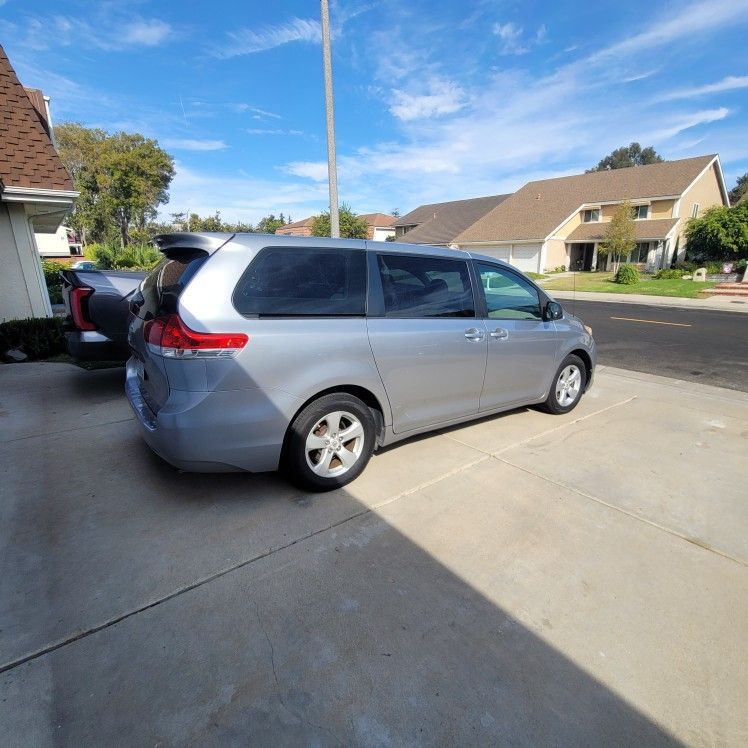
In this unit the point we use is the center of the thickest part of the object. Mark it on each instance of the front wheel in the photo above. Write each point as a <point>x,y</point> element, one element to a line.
<point>329,442</point>
<point>568,386</point>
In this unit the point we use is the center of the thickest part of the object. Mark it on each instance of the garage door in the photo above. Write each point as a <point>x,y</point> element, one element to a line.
<point>526,256</point>
<point>500,253</point>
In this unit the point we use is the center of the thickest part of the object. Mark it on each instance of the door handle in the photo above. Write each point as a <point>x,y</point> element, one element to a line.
<point>499,333</point>
<point>473,333</point>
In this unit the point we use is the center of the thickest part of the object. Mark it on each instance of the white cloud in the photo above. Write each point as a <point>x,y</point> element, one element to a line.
<point>730,83</point>
<point>146,32</point>
<point>441,97</point>
<point>314,170</point>
<point>190,144</point>
<point>679,124</point>
<point>510,35</point>
<point>256,112</point>
<point>271,131</point>
<point>640,76</point>
<point>242,197</point>
<point>516,125</point>
<point>249,41</point>
<point>695,19</point>
<point>512,38</point>
<point>108,31</point>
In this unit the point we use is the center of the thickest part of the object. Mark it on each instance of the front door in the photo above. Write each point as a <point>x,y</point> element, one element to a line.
<point>522,347</point>
<point>429,345</point>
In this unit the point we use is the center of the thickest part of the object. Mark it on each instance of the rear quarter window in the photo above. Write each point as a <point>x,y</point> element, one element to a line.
<point>163,286</point>
<point>303,281</point>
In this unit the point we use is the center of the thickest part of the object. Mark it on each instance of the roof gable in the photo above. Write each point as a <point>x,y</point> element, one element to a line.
<point>536,210</point>
<point>440,223</point>
<point>27,156</point>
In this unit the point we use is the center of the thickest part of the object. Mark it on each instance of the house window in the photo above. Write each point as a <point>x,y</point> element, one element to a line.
<point>695,211</point>
<point>641,212</point>
<point>591,215</point>
<point>640,252</point>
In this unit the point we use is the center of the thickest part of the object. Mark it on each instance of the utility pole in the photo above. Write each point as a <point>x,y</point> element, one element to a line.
<point>332,169</point>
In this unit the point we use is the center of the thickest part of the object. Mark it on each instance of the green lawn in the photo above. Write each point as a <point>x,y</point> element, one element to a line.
<point>603,282</point>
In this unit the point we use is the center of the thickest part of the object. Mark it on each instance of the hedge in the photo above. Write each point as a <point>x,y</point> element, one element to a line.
<point>37,337</point>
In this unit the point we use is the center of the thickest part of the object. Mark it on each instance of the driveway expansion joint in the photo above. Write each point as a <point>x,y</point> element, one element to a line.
<point>633,515</point>
<point>82,634</point>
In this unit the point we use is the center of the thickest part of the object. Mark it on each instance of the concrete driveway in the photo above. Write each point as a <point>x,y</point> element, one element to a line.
<point>526,579</point>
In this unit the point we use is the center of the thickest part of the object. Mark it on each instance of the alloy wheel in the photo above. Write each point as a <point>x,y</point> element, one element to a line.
<point>334,444</point>
<point>568,385</point>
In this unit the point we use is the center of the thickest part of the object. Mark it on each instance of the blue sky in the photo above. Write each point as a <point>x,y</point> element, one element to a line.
<point>435,100</point>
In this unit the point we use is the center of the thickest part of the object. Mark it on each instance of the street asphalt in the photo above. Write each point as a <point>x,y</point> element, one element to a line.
<point>691,344</point>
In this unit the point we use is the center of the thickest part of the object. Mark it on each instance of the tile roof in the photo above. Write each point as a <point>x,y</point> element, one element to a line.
<point>381,220</point>
<point>657,228</point>
<point>27,156</point>
<point>537,209</point>
<point>440,223</point>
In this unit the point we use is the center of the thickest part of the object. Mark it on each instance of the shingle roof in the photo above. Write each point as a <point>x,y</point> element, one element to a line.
<point>299,224</point>
<point>537,209</point>
<point>380,220</point>
<point>27,156</point>
<point>440,223</point>
<point>657,228</point>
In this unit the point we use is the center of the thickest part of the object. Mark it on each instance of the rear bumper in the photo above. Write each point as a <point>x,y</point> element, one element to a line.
<point>91,345</point>
<point>220,431</point>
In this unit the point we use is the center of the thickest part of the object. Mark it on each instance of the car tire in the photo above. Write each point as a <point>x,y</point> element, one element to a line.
<point>329,442</point>
<point>567,387</point>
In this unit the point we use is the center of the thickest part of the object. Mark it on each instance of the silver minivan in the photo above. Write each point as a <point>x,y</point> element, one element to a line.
<point>257,352</point>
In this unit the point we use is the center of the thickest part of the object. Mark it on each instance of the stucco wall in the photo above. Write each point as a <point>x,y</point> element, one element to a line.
<point>661,209</point>
<point>555,254</point>
<point>569,226</point>
<point>22,289</point>
<point>706,192</point>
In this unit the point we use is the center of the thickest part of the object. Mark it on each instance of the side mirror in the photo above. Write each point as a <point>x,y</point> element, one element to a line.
<point>553,310</point>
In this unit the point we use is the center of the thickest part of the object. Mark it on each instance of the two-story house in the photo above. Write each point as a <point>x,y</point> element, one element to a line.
<point>558,222</point>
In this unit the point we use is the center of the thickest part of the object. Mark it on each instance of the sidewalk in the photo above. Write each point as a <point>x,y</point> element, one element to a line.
<point>714,303</point>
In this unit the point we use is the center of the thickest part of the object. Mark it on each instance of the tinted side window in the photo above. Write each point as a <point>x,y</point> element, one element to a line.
<point>508,296</point>
<point>425,287</point>
<point>303,281</point>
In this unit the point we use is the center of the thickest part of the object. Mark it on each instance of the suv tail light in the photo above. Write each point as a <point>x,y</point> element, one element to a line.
<point>170,337</point>
<point>79,308</point>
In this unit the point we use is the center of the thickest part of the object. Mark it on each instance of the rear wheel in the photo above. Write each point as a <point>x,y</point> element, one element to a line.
<point>568,386</point>
<point>329,442</point>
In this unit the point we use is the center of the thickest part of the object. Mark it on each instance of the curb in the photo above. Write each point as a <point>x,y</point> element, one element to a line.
<point>714,304</point>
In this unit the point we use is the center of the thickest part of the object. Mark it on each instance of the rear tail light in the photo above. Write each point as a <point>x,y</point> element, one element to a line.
<point>170,337</point>
<point>79,308</point>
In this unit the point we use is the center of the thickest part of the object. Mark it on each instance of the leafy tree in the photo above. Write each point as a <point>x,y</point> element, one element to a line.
<point>619,239</point>
<point>719,234</point>
<point>270,224</point>
<point>625,156</point>
<point>740,189</point>
<point>122,178</point>
<point>351,226</point>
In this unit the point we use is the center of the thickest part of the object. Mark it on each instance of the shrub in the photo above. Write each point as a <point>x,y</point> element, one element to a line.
<point>669,274</point>
<point>713,268</point>
<point>37,337</point>
<point>132,257</point>
<point>686,266</point>
<point>627,275</point>
<point>52,279</point>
